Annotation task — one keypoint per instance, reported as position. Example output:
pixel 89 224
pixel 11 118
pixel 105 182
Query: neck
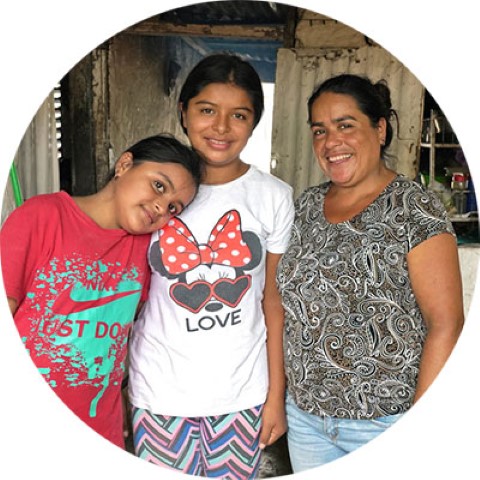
pixel 344 202
pixel 371 186
pixel 218 175
pixel 97 207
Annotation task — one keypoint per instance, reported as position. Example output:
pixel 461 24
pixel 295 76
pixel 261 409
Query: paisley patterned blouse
pixel 354 331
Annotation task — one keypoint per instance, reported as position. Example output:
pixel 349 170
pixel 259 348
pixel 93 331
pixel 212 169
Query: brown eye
pixel 159 186
pixel 318 131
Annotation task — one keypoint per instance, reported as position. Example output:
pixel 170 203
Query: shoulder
pixel 422 210
pixel 415 195
pixel 43 206
pixel 314 192
pixel 34 217
pixel 403 182
pixel 57 199
pixel 270 181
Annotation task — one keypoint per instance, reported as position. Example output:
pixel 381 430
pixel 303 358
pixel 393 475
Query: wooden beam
pixel 152 27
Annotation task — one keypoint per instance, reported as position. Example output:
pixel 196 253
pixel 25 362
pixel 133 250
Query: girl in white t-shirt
pixel 206 360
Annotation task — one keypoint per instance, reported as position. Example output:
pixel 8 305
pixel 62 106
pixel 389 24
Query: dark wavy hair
pixel 224 68
pixel 165 148
pixel 373 99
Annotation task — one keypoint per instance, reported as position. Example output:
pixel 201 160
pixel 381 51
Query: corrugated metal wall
pixel 300 70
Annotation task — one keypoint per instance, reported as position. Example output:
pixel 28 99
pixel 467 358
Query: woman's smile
pixel 345 142
pixel 219 122
pixel 218 144
pixel 339 158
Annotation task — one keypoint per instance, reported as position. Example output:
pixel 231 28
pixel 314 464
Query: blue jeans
pixel 314 440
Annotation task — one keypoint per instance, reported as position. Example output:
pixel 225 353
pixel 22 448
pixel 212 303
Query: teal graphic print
pixel 80 316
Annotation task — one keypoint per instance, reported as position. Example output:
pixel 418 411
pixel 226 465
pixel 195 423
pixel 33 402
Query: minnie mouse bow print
pixel 181 253
pixel 210 275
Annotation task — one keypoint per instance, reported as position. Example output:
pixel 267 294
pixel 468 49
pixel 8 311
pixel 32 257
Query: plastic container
pixel 471 198
pixel 460 201
pixel 459 181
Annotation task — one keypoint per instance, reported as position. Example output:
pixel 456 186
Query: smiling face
pixel 345 143
pixel 148 194
pixel 219 122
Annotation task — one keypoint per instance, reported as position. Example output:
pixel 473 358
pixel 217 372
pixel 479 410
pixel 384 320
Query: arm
pixel 13 304
pixel 435 276
pixel 140 305
pixel 274 421
pixel 21 240
pixel 127 420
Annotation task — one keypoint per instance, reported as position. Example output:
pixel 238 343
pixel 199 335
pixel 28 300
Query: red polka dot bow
pixel 181 252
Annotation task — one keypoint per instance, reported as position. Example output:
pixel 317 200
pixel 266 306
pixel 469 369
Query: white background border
pixel 436 40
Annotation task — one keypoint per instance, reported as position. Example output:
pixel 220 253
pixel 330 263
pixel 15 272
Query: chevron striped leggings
pixel 223 446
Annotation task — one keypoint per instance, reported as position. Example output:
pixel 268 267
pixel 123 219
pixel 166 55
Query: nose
pixel 221 123
pixel 332 138
pixel 161 207
pixel 161 213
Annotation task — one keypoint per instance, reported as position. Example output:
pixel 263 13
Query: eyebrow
pixel 335 120
pixel 206 102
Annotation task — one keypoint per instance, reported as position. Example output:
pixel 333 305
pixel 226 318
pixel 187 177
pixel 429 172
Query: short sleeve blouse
pixel 354 331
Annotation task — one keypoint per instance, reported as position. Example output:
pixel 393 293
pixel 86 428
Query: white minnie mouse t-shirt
pixel 198 347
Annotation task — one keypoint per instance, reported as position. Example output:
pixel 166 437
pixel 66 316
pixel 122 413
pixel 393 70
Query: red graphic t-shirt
pixel 78 287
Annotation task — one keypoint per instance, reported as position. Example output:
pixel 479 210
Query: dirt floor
pixel 275 461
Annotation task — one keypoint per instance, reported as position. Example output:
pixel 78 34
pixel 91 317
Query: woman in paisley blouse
pixel 370 283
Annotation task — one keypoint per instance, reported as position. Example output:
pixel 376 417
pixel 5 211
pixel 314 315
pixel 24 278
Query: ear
pixel 182 114
pixel 123 164
pixel 382 129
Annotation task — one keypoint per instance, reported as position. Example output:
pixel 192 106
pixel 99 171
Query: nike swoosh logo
pixel 65 304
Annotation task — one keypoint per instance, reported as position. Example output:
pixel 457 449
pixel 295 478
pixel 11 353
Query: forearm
pixel 437 284
pixel 274 421
pixel 274 321
pixel 276 372
pixel 13 305
pixel 438 346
